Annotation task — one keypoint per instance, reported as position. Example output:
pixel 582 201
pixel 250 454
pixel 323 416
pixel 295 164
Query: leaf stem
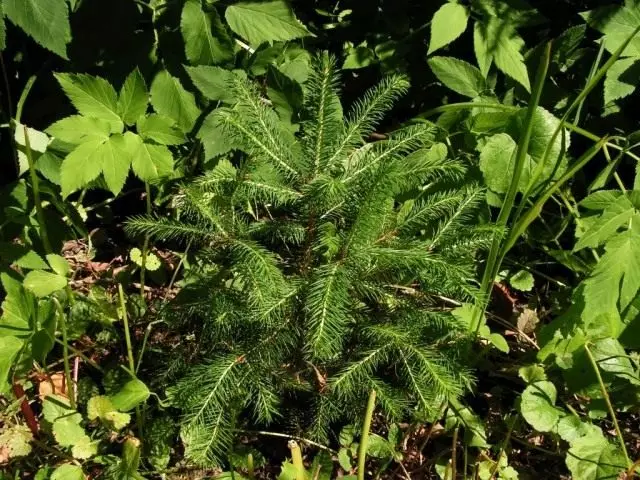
pixel 65 353
pixel 364 438
pixel 145 244
pixel 35 185
pixel 607 400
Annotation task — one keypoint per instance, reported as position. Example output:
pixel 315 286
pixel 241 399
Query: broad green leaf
pixel 46 21
pixel 18 307
pixel 44 283
pixel 570 428
pixel 100 407
pixel 474 431
pixel 612 358
pixel 78 129
pixel 600 200
pixel 615 281
pixel 58 264
pixel 205 39
pixel 133 98
pixel 160 129
pixel 499 342
pixel 117 153
pixel 379 447
pixel 84 448
pixel 497 41
pixel 67 429
pixel 38 143
pixel 21 256
pixel 169 98
pixel 68 472
pixel 359 57
pixel 81 166
pixel 151 162
pixel 448 23
pixel 213 82
pixel 620 80
pixel 54 407
pixel 593 457
pixel 260 22
pixel 458 75
pixel 522 280
pixel 537 405
pixel 497 163
pixel 15 441
pixel 617 23
pixel 483 55
pixel 344 459
pixel 616 215
pixel 213 137
pixel 92 97
pixel 532 373
pixel 10 347
pixel 133 393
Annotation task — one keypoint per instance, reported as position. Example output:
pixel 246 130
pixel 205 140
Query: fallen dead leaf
pixel 53 384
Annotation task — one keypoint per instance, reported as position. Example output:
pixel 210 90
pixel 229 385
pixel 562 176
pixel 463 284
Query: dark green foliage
pixel 331 256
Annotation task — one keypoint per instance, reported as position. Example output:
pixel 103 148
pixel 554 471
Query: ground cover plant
pixel 318 240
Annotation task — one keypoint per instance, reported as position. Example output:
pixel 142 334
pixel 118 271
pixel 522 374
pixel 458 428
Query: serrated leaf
pixel 601 199
pixel 10 347
pixel 21 256
pixel 448 23
pixel 169 98
pixel 78 129
pixel 537 405
pixel 459 76
pixel 151 162
pixel 58 264
pixel 344 460
pixel 15 441
pixel 68 472
pixel 132 394
pixel 67 429
pixel 379 447
pixel 42 283
pixel 620 80
pixel 570 428
pixel 205 39
pixel 100 407
pixel 260 22
pixel 593 457
pixel 213 137
pixel 160 129
pixel 607 224
pixel 81 166
pixel 614 282
pixel 522 280
pixel 92 97
pixel 617 23
pixel 84 449
pixel 496 40
pixel 133 98
pixel 213 82
pixel 46 21
pixel 117 153
pixel 497 163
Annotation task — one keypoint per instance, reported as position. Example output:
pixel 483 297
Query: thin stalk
pixel 466 462
pixel 592 72
pixel 35 185
pixel 284 435
pixel 493 264
pixel 23 97
pixel 65 353
pixel 364 437
pixel 127 336
pixel 145 244
pixel 503 447
pixel 631 471
pixel 296 460
pixel 144 342
pixel 454 453
pixel 607 400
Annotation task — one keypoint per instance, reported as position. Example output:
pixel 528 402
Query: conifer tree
pixel 323 262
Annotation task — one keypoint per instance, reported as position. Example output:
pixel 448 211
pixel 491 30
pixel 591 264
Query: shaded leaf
pixel 205 38
pixel 458 75
pixel 448 23
pixel 44 283
pixel 169 98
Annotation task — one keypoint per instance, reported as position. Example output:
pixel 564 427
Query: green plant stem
pixel 592 72
pixel 364 438
pixel 250 472
pixel 144 342
pixel 23 97
pixel 496 252
pixel 145 244
pixel 65 353
pixel 607 400
pixel 503 448
pixel 35 185
pixel 127 336
pixel 77 352
pixel 296 460
pixel 454 453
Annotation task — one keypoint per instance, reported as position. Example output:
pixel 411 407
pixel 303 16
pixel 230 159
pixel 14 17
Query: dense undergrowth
pixel 319 240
